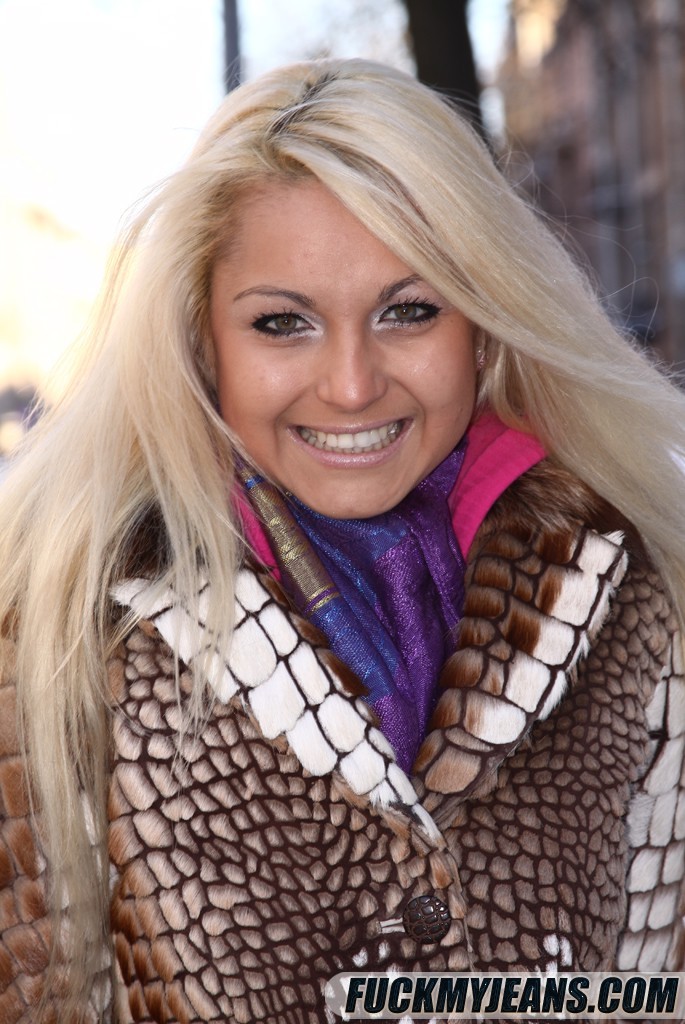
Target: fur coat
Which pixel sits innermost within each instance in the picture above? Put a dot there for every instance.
(282, 844)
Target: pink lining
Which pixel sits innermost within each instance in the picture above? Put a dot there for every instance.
(495, 456)
(255, 535)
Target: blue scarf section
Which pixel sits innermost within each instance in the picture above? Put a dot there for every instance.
(386, 591)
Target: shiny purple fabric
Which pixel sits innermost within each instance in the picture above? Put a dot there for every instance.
(400, 590)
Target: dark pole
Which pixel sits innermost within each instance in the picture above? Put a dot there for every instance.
(232, 70)
(443, 52)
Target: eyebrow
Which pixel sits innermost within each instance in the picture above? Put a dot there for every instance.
(392, 289)
(304, 300)
(263, 289)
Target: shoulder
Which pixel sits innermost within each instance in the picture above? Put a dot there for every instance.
(556, 580)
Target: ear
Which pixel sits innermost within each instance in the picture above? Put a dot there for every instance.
(480, 353)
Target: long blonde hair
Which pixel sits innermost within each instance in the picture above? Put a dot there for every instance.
(135, 447)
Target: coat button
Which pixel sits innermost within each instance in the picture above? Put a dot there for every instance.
(426, 919)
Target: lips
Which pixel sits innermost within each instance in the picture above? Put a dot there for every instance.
(357, 443)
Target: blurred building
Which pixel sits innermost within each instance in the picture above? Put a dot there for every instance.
(594, 94)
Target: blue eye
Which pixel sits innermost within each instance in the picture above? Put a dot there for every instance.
(282, 324)
(410, 312)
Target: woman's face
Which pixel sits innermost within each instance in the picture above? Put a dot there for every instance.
(346, 376)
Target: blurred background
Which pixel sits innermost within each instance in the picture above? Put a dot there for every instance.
(581, 102)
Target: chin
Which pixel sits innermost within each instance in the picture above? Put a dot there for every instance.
(362, 509)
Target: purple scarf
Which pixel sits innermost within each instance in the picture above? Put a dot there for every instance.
(386, 591)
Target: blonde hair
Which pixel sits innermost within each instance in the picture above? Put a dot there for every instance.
(135, 448)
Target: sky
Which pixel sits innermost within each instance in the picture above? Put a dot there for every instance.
(100, 99)
(97, 98)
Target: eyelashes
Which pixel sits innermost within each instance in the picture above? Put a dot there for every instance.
(413, 311)
(285, 323)
(282, 324)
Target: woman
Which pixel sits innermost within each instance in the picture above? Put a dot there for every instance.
(338, 359)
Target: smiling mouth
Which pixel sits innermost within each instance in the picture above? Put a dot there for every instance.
(357, 444)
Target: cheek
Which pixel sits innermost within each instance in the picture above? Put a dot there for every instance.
(449, 384)
(253, 389)
(236, 386)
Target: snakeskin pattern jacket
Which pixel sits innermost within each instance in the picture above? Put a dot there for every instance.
(544, 818)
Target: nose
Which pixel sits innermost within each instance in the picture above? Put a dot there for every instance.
(352, 375)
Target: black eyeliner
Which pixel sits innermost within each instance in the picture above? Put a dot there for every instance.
(260, 323)
(431, 311)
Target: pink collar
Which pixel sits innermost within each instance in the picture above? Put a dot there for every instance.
(495, 456)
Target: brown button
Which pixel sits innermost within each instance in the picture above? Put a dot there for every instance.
(426, 919)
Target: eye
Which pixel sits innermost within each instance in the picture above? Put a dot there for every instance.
(283, 324)
(410, 312)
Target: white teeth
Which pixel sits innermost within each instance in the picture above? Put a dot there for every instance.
(364, 441)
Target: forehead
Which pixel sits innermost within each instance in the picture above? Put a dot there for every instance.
(302, 228)
(304, 202)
